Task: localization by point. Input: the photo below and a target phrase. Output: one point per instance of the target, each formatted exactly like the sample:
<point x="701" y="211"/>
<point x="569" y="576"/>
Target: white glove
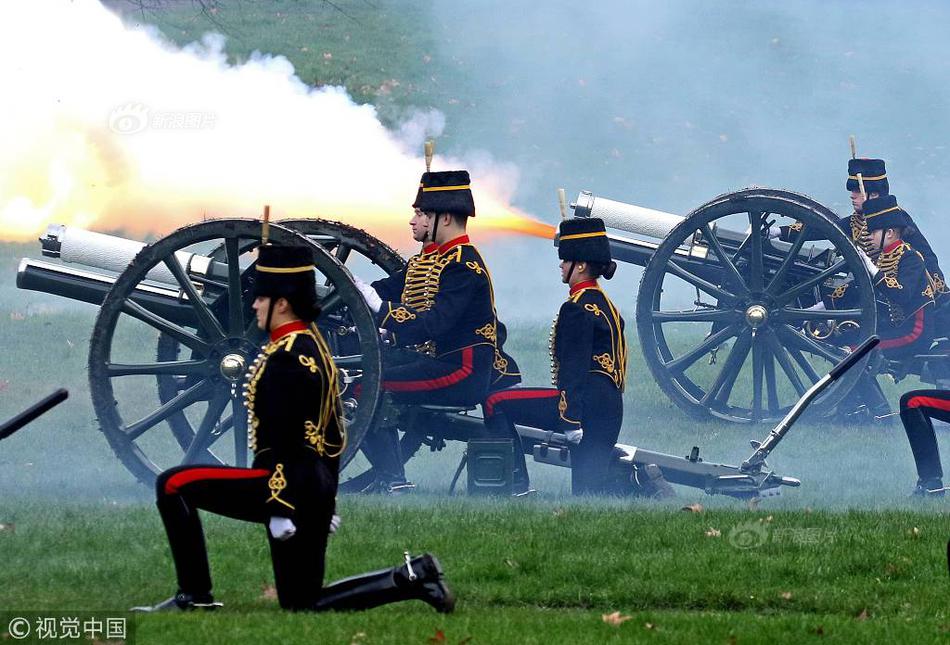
<point x="281" y="528"/>
<point x="869" y="263"/>
<point x="574" y="436"/>
<point x="369" y="295"/>
<point x="775" y="232"/>
<point x="335" y="522"/>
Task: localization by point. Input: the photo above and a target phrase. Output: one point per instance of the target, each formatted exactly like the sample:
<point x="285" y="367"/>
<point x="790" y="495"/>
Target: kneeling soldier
<point x="588" y="366"/>
<point x="918" y="409"/>
<point x="297" y="435"/>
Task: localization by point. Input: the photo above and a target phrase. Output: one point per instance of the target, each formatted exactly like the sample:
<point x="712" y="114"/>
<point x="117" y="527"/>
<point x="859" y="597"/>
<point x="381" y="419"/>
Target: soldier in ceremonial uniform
<point x="588" y="365"/>
<point x="874" y="179"/>
<point x="297" y="436"/>
<point x="903" y="291"/>
<point x="918" y="409"/>
<point x="444" y="315"/>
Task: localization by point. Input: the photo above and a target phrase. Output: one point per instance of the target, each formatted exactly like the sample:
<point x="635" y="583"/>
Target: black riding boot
<point x="864" y="404"/>
<point x="419" y="579"/>
<point x="381" y="447"/>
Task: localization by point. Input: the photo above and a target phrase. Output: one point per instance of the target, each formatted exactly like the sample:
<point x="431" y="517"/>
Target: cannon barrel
<point x="626" y="217"/>
<point x="87" y="286"/>
<point x="114" y="254"/>
<point x="655" y="224"/>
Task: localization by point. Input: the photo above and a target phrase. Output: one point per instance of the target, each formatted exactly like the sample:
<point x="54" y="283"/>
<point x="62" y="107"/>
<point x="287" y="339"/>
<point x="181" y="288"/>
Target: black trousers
<point x="592" y="458"/>
<point x="918" y="408"/>
<point x="460" y="378"/>
<point x="242" y="494"/>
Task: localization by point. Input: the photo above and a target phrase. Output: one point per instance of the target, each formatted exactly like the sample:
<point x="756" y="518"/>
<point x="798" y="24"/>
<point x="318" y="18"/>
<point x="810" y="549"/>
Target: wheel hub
<point x="756" y="316"/>
<point x="233" y="367"/>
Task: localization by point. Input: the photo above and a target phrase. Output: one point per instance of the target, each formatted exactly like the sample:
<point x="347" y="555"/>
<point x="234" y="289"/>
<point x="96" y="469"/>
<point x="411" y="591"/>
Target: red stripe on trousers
<point x="179" y="479"/>
<point x="512" y="395"/>
<point x="435" y="383"/>
<point x="909" y="338"/>
<point x="928" y="402"/>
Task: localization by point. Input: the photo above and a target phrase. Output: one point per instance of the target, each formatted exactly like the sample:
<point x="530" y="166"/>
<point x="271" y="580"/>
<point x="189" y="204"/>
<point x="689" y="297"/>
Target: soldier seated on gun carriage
<point x="441" y="317"/>
<point x="867" y="180"/>
<point x="904" y="293"/>
<point x="589" y="367"/>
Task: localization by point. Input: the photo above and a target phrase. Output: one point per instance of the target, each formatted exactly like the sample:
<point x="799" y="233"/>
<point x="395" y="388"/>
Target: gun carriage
<point x="175" y="318"/>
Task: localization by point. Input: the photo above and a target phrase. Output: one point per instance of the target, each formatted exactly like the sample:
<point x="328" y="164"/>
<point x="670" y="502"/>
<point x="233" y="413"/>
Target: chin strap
<point x="270" y="314"/>
<point x="435" y="225"/>
<point x="570" y="272"/>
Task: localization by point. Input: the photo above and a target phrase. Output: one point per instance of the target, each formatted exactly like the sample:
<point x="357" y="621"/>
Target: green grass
<point x="544" y="570"/>
<point x="535" y="572"/>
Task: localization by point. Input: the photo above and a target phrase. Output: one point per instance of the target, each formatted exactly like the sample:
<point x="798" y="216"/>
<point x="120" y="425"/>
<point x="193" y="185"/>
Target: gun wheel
<point x="167" y="296"/>
<point x="744" y="351"/>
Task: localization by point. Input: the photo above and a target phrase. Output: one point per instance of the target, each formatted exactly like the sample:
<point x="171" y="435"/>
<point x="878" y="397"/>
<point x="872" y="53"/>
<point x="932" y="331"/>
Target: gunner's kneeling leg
<point x="420" y="578"/>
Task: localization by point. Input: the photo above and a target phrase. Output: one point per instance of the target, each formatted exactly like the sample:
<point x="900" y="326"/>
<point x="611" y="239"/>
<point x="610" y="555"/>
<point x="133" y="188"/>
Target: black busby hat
<point x="883" y="212"/>
<point x="287" y="272"/>
<point x="583" y="239"/>
<point x="446" y="192"/>
<point x="873" y="174"/>
<point x="415" y="204"/>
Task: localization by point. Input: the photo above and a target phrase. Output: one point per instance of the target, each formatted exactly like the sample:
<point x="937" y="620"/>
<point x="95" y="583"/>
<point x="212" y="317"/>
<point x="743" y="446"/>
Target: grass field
<point x="845" y="558"/>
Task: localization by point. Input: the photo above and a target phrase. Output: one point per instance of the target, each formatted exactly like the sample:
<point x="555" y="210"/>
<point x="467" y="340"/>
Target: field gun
<point x="175" y="330"/>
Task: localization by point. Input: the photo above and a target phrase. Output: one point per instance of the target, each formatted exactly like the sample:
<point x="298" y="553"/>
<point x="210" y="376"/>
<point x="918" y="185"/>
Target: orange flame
<point x="133" y="134"/>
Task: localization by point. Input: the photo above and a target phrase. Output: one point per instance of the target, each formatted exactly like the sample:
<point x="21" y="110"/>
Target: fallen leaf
<point x="357" y="638"/>
<point x="863" y="615"/>
<point x="8" y="528"/>
<point x="649" y="626"/>
<point x="713" y="532"/>
<point x="786" y="595"/>
<point x="693" y="508"/>
<point x="437" y="637"/>
<point x="616" y="618"/>
<point x="269" y="592"/>
<point x="511" y="563"/>
<point x="915" y="532"/>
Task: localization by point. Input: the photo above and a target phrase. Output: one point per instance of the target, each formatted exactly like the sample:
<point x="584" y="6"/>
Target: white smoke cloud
<point x="114" y="127"/>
